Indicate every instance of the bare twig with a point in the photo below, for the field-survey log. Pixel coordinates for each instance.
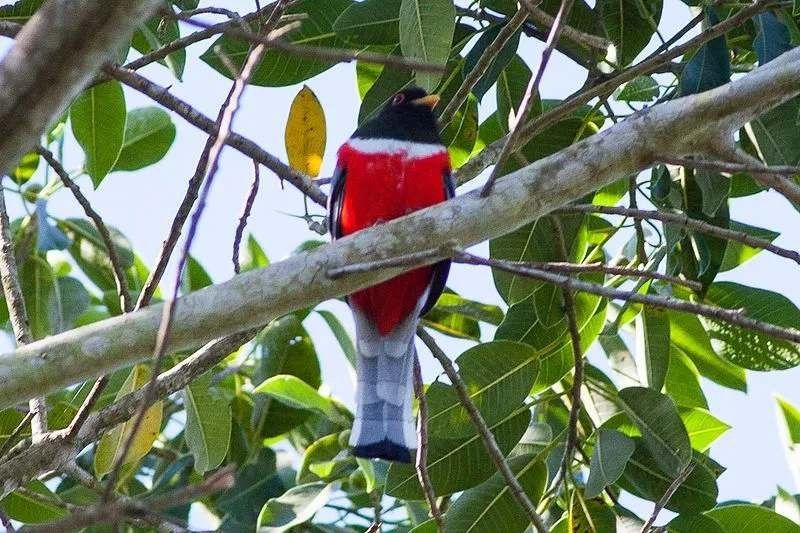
(733, 316)
(227, 114)
(662, 502)
(244, 145)
(126, 508)
(577, 355)
(577, 268)
(126, 302)
(15, 301)
(681, 219)
(543, 18)
(531, 94)
(248, 206)
(731, 167)
(486, 59)
(483, 429)
(641, 254)
(327, 54)
(422, 447)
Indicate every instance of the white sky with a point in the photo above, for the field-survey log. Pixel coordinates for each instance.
(143, 203)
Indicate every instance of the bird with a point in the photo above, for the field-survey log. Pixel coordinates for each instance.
(392, 165)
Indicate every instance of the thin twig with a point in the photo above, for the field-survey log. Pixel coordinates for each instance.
(126, 302)
(543, 18)
(641, 253)
(577, 355)
(681, 219)
(662, 502)
(248, 207)
(194, 117)
(730, 167)
(483, 429)
(487, 57)
(577, 268)
(531, 94)
(125, 508)
(228, 113)
(324, 53)
(733, 316)
(422, 446)
(389, 262)
(15, 301)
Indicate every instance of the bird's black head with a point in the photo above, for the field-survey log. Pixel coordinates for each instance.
(407, 116)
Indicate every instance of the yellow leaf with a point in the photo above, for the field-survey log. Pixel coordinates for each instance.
(305, 133)
(110, 445)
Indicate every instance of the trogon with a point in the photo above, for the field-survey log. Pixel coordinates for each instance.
(392, 165)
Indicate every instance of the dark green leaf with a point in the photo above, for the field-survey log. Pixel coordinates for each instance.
(511, 85)
(98, 122)
(390, 81)
(641, 89)
(498, 64)
(298, 505)
(499, 375)
(461, 133)
(738, 517)
(149, 133)
(715, 188)
(491, 503)
(694, 523)
(662, 428)
(36, 279)
(277, 68)
(255, 483)
(611, 453)
(426, 33)
(89, 252)
(772, 37)
(370, 22)
(70, 299)
(710, 67)
(20, 11)
(456, 464)
(747, 348)
(32, 510)
(652, 346)
(630, 24)
(208, 423)
(154, 34)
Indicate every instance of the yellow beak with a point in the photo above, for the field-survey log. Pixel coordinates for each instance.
(431, 100)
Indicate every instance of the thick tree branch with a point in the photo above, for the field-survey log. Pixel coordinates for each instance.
(253, 298)
(54, 56)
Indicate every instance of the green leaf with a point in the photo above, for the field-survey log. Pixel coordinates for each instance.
(208, 423)
(426, 33)
(456, 464)
(254, 256)
(662, 428)
(787, 505)
(643, 478)
(89, 251)
(195, 276)
(630, 24)
(25, 169)
(652, 346)
(296, 393)
(390, 81)
(30, 510)
(69, 300)
(296, 506)
(20, 11)
(277, 68)
(533, 243)
(498, 375)
(256, 482)
(154, 34)
(772, 37)
(461, 133)
(321, 450)
(683, 381)
(451, 302)
(98, 122)
(715, 190)
(491, 503)
(737, 517)
(687, 333)
(789, 422)
(149, 133)
(511, 85)
(341, 335)
(37, 282)
(737, 253)
(498, 64)
(694, 523)
(611, 453)
(703, 427)
(370, 22)
(747, 348)
(639, 89)
(452, 324)
(708, 68)
(285, 348)
(778, 139)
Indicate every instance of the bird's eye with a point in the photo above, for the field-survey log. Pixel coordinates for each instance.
(398, 99)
